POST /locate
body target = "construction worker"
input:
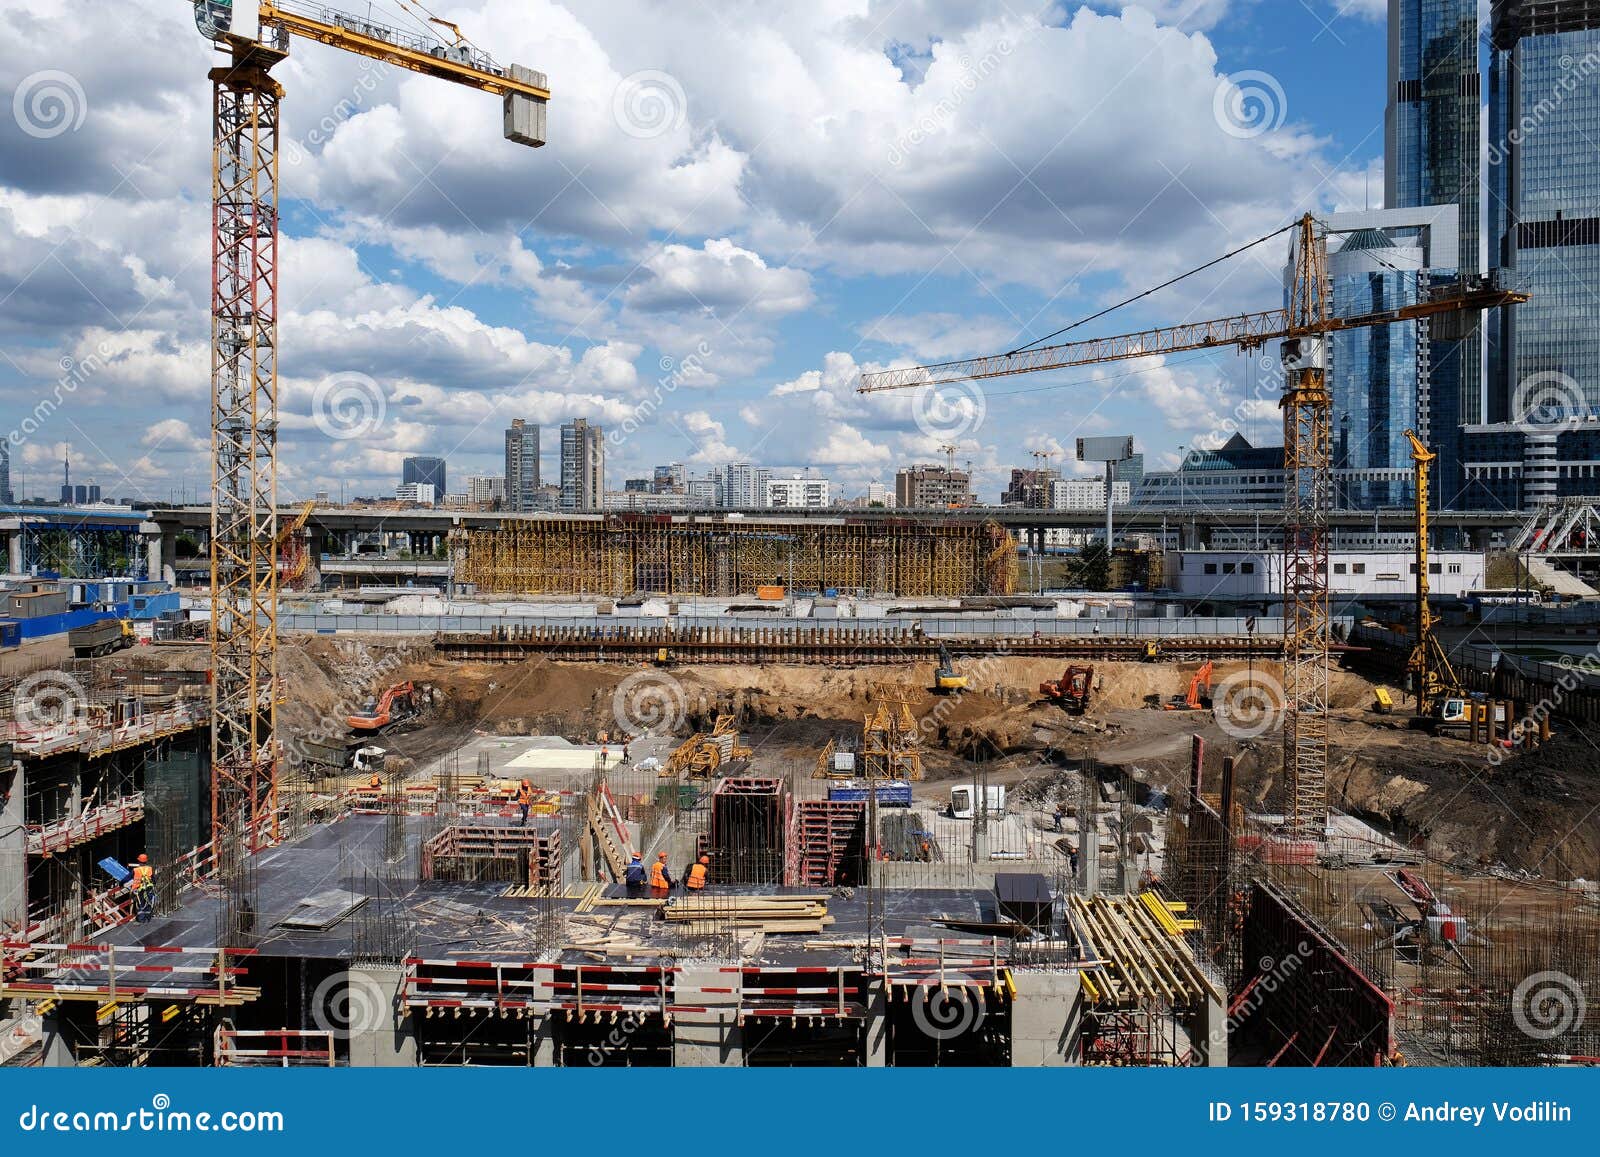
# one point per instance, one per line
(1060, 814)
(626, 758)
(524, 801)
(660, 878)
(698, 874)
(144, 889)
(375, 782)
(634, 877)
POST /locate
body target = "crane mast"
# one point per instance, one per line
(246, 106)
(1303, 327)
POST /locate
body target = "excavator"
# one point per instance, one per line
(945, 677)
(1198, 696)
(390, 709)
(1072, 690)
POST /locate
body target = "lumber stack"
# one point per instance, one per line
(708, 915)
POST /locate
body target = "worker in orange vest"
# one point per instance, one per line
(525, 800)
(697, 874)
(375, 782)
(660, 878)
(144, 889)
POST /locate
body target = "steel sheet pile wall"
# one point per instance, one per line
(618, 555)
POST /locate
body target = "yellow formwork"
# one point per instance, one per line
(622, 554)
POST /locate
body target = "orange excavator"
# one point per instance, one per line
(396, 705)
(1199, 694)
(1072, 690)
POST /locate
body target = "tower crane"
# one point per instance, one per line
(1303, 328)
(254, 36)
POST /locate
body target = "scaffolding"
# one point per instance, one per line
(621, 554)
(890, 737)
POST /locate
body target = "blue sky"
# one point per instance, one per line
(740, 208)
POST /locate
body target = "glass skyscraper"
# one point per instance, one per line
(1543, 168)
(1432, 157)
(1377, 379)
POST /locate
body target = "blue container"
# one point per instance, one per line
(889, 794)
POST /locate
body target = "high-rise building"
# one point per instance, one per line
(935, 487)
(1432, 147)
(1088, 493)
(522, 466)
(1030, 488)
(670, 479)
(583, 466)
(743, 485)
(426, 471)
(1131, 471)
(5, 472)
(486, 491)
(1544, 205)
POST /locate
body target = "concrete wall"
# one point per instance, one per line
(379, 1036)
(711, 1038)
(1045, 1019)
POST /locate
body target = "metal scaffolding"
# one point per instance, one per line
(618, 555)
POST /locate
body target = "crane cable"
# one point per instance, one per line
(1153, 289)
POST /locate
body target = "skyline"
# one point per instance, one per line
(697, 297)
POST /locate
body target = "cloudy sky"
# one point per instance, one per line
(742, 206)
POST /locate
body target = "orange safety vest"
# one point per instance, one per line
(658, 875)
(143, 876)
(697, 877)
(524, 796)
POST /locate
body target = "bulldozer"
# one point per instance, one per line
(945, 677)
(1072, 690)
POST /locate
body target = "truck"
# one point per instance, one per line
(964, 798)
(101, 638)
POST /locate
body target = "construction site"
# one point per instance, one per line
(675, 809)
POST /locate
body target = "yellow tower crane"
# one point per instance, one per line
(1304, 328)
(254, 35)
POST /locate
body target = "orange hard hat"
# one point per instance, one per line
(143, 859)
(705, 859)
(661, 855)
(524, 783)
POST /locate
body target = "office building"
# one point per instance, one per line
(1432, 150)
(522, 466)
(5, 472)
(932, 487)
(799, 490)
(425, 471)
(1544, 207)
(879, 494)
(583, 465)
(670, 479)
(1235, 474)
(1131, 471)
